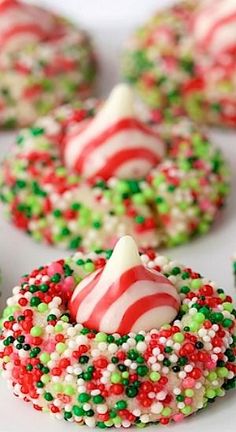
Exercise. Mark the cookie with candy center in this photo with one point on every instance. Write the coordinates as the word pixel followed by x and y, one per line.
pixel 107 379
pixel 65 182
pixel 45 61
pixel 183 60
pixel 124 296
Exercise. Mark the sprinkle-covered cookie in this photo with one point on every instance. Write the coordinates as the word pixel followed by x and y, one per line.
pixel 86 175
pixel 183 58
pixel 44 61
pixel 57 355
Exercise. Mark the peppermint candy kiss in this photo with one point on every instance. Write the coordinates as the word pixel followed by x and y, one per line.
pixel 116 142
pixel 215 26
pixel 21 23
pixel 124 296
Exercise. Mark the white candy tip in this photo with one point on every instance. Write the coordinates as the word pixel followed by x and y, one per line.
pixel 121 102
pixel 125 255
pixel 121 91
pixel 126 244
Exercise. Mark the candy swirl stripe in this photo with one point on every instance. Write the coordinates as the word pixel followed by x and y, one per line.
pixel 8 4
pixel 123 157
pixel 124 124
pixel 19 19
pixel 20 29
pixel 86 287
pixel 142 306
pixel 136 303
pixel 133 294
pixel 214 26
pixel 93 144
pixel 212 32
pixel 115 290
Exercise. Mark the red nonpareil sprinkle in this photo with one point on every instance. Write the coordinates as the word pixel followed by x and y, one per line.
pixel 32 92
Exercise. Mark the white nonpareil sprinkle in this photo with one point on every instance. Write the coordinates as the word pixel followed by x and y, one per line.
pixel 144 418
pixel 156 408
pixel 161 395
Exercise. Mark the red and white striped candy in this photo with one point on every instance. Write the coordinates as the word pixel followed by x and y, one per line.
pixel 115 143
pixel 124 296
pixel 21 23
pixel 215 26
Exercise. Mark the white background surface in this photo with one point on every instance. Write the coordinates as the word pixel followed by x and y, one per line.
pixel 110 22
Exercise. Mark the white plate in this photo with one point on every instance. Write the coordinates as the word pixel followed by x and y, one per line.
pixel 110 23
